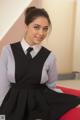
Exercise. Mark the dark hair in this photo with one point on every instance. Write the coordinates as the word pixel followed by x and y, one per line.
pixel 32 13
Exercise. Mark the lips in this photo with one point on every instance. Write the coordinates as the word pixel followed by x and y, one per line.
pixel 39 38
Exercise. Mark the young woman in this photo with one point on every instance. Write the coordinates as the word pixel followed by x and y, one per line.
pixel 28 71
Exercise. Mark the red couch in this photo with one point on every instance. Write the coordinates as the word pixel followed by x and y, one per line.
pixel 73 114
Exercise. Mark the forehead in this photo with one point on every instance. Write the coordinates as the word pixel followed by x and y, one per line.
pixel 40 21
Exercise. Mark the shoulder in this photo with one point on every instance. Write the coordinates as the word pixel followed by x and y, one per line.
pixel 46 49
pixel 51 55
pixel 51 60
pixel 14 44
pixel 6 49
pixel 6 52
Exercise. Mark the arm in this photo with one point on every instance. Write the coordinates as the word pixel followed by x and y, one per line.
pixel 52 73
pixel 4 83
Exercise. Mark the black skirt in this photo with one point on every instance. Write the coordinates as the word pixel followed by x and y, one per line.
pixel 36 103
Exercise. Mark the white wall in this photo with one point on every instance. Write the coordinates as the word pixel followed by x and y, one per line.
pixel 62 13
pixel 76 50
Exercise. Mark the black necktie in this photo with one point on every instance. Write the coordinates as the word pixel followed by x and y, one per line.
pixel 28 53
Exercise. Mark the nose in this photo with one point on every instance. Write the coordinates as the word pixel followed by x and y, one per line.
pixel 41 32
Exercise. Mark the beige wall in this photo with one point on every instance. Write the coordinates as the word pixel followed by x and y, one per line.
pixel 76 50
pixel 62 14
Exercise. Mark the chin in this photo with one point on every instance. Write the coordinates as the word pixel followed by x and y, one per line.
pixel 37 41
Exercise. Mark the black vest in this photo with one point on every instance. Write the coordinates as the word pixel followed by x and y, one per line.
pixel 28 72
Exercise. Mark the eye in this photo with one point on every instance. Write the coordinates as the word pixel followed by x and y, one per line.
pixel 36 27
pixel 45 29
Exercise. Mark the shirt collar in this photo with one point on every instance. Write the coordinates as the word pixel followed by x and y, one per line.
pixel 25 46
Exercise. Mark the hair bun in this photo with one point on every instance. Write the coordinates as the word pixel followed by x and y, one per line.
pixel 29 9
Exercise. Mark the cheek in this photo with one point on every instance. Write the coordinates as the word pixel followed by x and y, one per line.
pixel 30 32
pixel 45 35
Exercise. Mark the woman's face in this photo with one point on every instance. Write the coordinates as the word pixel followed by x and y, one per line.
pixel 37 30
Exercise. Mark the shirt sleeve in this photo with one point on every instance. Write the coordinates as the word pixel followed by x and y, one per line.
pixel 52 73
pixel 4 83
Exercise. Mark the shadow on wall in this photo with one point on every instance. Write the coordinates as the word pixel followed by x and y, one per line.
pixel 69 76
pixel 15 33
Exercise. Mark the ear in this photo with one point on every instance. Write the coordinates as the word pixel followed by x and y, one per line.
pixel 25 26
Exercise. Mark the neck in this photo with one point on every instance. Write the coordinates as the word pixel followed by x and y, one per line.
pixel 28 41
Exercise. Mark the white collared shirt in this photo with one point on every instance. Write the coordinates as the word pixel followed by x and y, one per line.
pixel 25 46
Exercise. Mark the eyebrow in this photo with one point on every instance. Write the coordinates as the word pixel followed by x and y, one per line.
pixel 40 25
